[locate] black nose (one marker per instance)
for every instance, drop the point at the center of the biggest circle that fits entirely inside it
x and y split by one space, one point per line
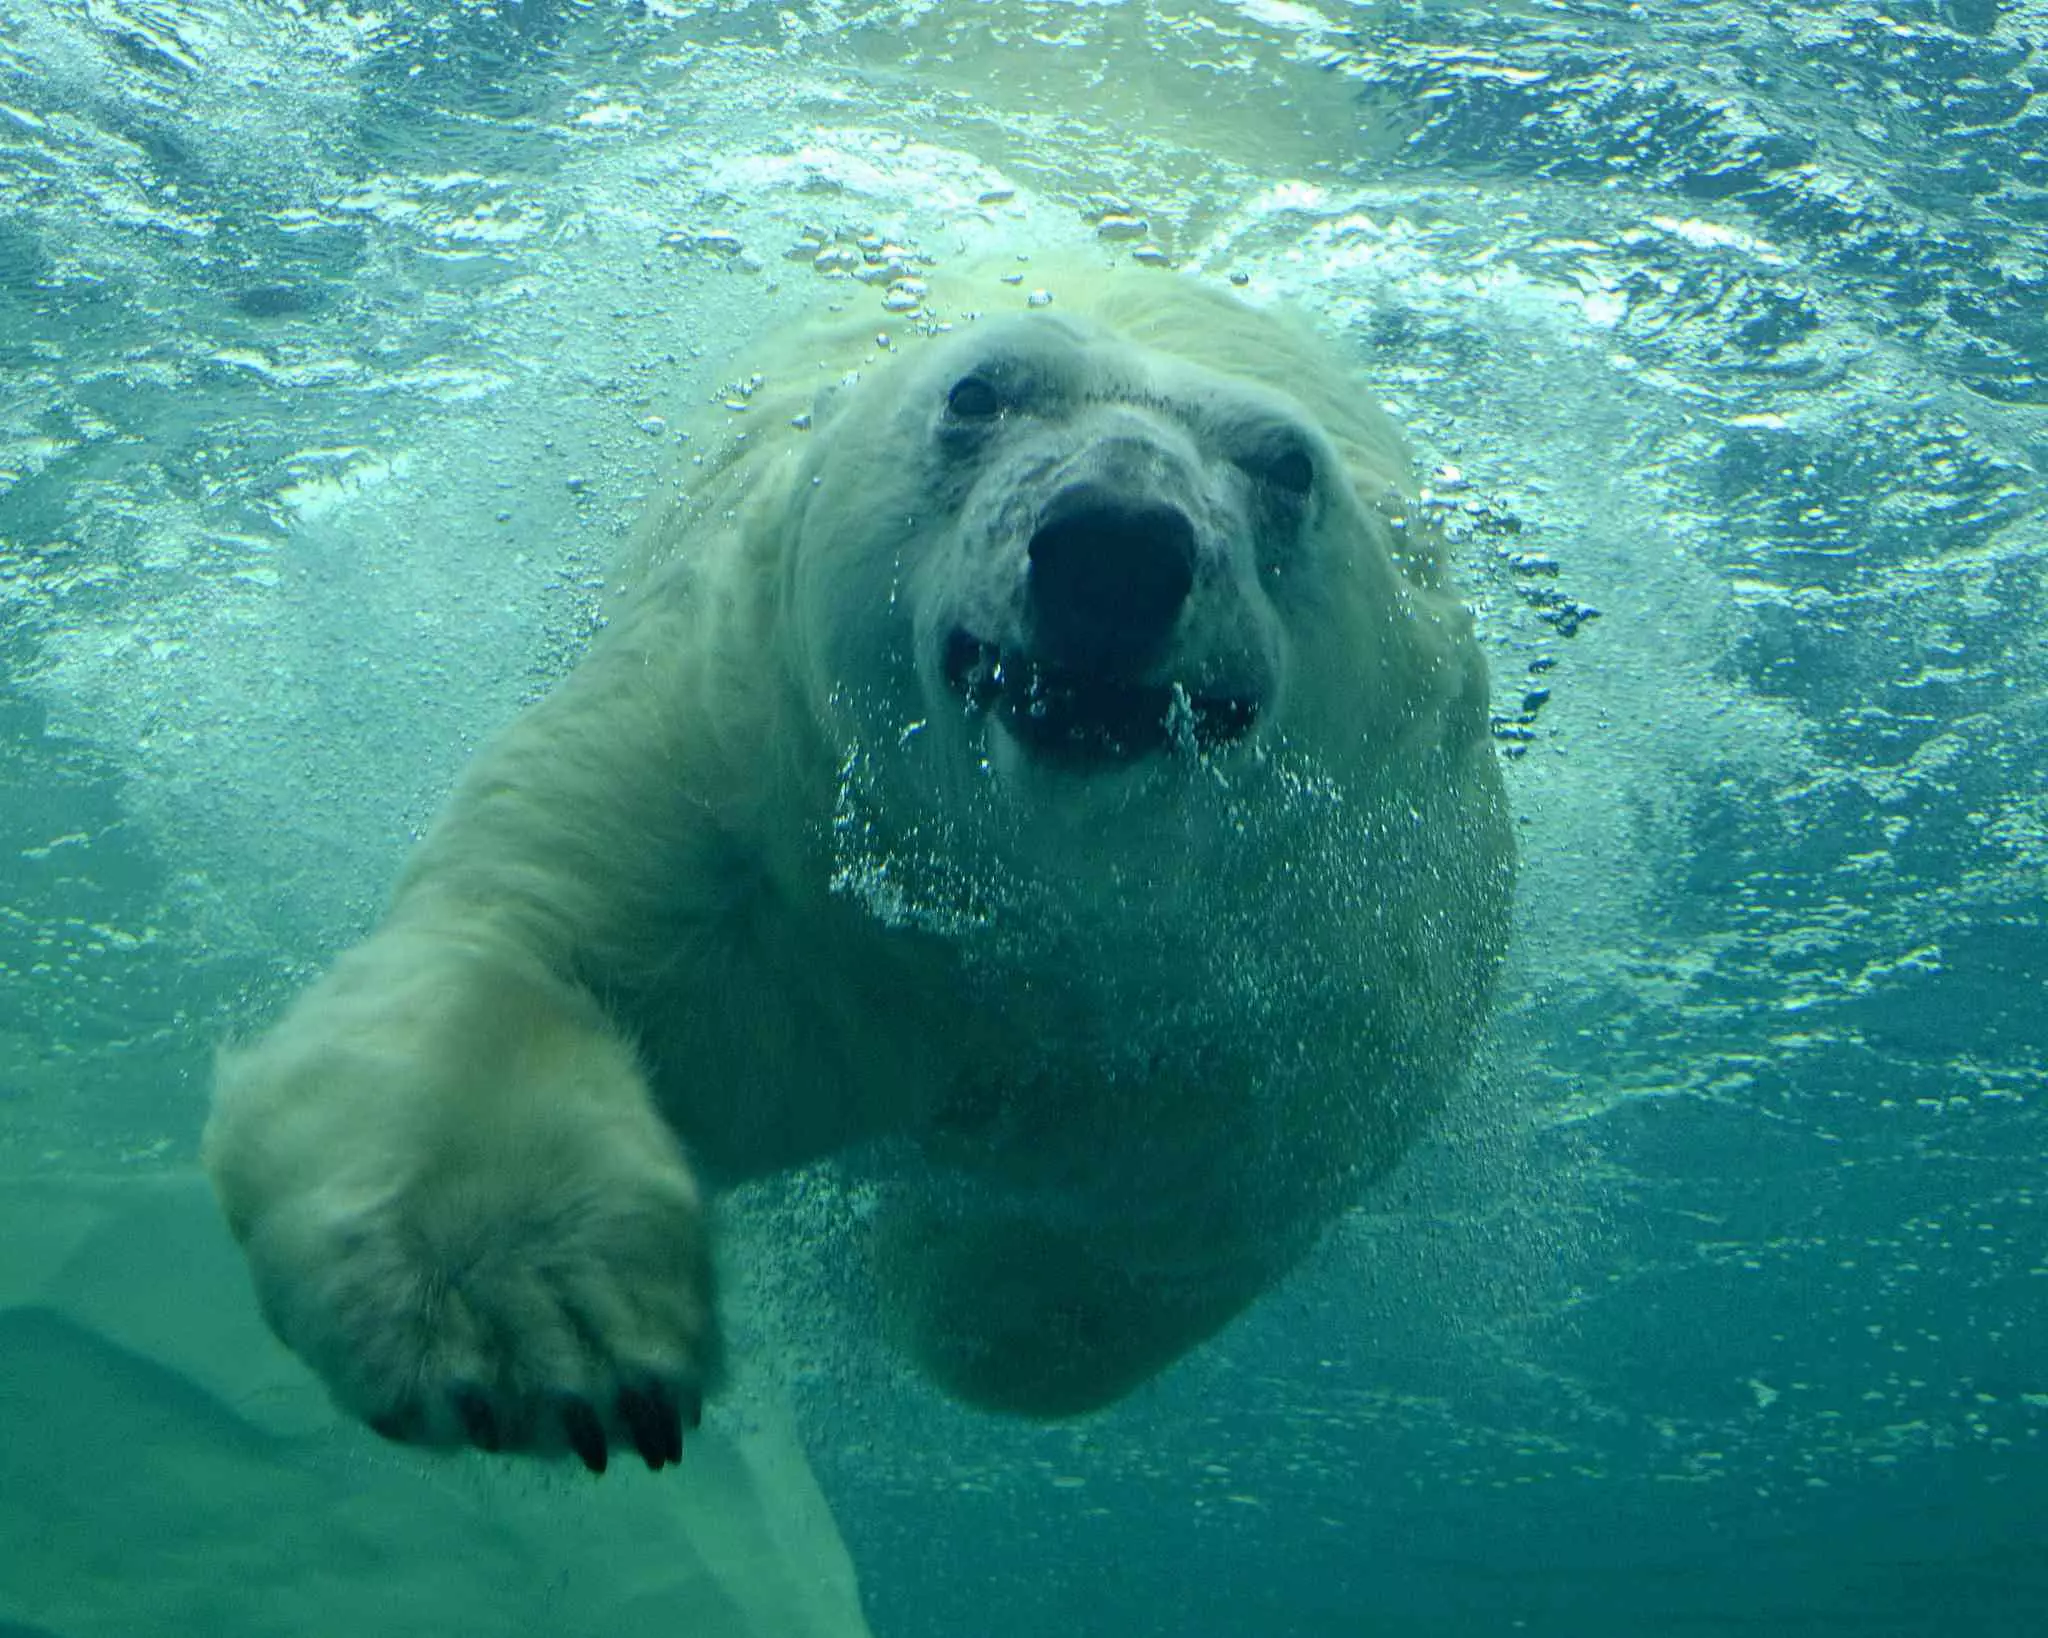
1107 580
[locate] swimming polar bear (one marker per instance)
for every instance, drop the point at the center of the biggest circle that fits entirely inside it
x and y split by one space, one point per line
1042 762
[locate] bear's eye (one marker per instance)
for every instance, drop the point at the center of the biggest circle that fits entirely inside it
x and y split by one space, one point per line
1287 468
974 398
1279 458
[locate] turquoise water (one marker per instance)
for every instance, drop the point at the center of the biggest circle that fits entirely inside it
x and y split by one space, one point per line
338 349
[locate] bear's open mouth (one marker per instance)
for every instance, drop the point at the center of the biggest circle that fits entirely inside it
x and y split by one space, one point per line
1079 717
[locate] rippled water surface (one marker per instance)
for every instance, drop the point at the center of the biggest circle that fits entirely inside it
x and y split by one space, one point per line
339 347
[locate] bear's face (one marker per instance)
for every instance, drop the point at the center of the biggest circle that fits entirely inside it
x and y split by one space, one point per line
1116 531
1040 565
1085 542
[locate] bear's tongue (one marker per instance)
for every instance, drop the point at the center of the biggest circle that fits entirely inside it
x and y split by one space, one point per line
1084 719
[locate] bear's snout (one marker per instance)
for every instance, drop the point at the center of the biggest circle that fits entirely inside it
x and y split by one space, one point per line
1106 579
1093 676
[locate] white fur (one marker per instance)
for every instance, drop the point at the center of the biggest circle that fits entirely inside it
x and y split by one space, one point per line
753 886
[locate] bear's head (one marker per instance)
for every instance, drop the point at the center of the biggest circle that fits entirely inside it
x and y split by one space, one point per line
1088 542
1075 582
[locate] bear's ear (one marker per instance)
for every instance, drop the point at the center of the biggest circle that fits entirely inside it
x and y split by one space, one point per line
831 400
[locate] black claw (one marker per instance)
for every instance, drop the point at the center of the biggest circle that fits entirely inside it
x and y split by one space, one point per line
396 1425
674 1427
586 1434
650 1413
479 1422
693 1411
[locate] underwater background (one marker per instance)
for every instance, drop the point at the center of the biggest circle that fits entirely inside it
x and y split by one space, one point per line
340 345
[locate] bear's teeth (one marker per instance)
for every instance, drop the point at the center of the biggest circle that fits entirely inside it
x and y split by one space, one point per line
1081 718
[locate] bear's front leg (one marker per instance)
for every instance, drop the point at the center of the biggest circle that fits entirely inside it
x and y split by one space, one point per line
463 1209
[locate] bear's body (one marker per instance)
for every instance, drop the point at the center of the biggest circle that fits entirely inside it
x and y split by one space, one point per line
1057 779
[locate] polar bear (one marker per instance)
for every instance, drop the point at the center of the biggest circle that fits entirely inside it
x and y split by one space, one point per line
1043 763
